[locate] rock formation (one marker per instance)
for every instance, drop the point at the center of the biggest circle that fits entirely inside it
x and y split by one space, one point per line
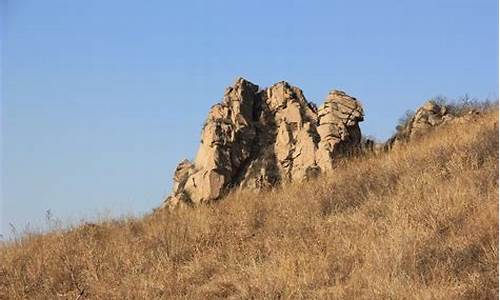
338 127
259 138
427 116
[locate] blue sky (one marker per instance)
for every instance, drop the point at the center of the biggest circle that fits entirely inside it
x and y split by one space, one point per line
101 99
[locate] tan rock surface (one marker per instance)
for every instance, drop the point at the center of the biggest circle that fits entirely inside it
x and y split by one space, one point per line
258 138
338 127
428 116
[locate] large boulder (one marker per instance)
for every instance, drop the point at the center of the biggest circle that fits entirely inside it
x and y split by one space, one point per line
255 139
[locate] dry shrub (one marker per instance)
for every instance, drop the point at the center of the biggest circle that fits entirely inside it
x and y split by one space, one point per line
420 222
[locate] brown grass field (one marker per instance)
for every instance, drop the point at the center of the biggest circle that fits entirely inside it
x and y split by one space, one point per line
420 222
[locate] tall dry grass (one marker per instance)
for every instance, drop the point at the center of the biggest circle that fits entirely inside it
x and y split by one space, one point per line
420 222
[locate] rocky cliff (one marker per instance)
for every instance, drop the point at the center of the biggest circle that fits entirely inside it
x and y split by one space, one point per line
259 138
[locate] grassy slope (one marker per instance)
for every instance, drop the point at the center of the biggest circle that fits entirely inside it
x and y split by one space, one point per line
417 223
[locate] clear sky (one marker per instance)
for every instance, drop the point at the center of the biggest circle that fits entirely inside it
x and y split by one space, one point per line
101 99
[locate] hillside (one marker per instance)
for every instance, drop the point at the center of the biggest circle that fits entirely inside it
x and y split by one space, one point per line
417 222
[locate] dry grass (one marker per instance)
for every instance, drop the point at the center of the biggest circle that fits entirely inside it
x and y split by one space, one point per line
418 223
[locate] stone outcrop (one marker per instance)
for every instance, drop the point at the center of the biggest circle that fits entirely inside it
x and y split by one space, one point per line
338 127
428 116
257 139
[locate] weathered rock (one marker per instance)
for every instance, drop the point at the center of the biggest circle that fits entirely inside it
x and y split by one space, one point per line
259 138
338 127
429 115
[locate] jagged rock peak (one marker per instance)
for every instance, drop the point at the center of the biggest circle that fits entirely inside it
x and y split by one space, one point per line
255 139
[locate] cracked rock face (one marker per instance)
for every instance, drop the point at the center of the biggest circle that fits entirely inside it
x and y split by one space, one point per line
256 139
338 127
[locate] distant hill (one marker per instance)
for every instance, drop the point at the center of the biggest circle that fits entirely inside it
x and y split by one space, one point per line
417 222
